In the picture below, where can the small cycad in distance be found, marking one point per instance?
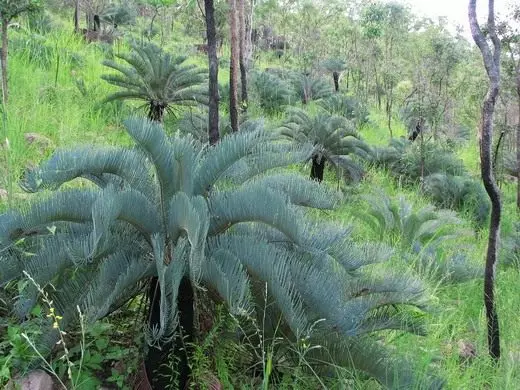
(159, 79)
(189, 216)
(335, 141)
(422, 236)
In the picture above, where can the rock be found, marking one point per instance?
(3, 194)
(35, 380)
(38, 140)
(467, 350)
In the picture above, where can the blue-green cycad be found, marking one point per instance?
(188, 214)
(396, 220)
(310, 87)
(273, 93)
(158, 78)
(347, 106)
(461, 193)
(335, 141)
(420, 235)
(196, 123)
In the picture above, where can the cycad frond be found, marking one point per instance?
(460, 193)
(198, 218)
(334, 138)
(157, 78)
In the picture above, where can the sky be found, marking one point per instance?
(455, 10)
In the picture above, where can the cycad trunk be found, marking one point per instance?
(335, 76)
(491, 57)
(211, 34)
(156, 112)
(159, 361)
(3, 58)
(234, 65)
(317, 169)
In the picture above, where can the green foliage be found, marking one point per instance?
(272, 92)
(333, 137)
(410, 161)
(460, 193)
(10, 9)
(394, 220)
(310, 87)
(157, 78)
(346, 106)
(176, 199)
(196, 124)
(510, 249)
(420, 235)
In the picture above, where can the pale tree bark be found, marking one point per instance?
(211, 34)
(491, 58)
(234, 64)
(243, 54)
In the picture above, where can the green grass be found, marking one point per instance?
(66, 116)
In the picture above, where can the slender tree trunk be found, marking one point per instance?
(317, 169)
(3, 58)
(335, 76)
(76, 17)
(243, 54)
(518, 139)
(233, 65)
(211, 35)
(491, 57)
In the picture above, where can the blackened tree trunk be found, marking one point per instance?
(491, 57)
(233, 65)
(317, 169)
(156, 112)
(211, 35)
(335, 76)
(3, 57)
(158, 360)
(243, 54)
(76, 17)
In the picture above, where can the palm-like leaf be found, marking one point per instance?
(156, 77)
(190, 219)
(334, 140)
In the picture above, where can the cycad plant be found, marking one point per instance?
(336, 66)
(272, 92)
(461, 193)
(157, 78)
(310, 87)
(334, 140)
(421, 236)
(347, 106)
(195, 217)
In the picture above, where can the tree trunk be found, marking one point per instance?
(518, 139)
(156, 112)
(3, 58)
(158, 361)
(491, 57)
(317, 169)
(335, 76)
(76, 17)
(211, 35)
(233, 65)
(243, 54)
